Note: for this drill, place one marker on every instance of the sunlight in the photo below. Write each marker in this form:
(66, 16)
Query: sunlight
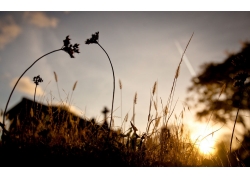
(207, 145)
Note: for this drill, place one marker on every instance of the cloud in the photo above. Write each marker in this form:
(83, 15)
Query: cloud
(40, 19)
(9, 30)
(27, 86)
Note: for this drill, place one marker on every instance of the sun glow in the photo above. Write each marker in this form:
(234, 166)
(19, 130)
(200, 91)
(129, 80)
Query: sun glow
(205, 142)
(206, 146)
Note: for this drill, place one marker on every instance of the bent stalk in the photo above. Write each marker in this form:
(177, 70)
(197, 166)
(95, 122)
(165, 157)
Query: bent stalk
(113, 84)
(4, 114)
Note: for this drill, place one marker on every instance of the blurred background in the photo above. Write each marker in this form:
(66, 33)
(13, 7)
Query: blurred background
(144, 47)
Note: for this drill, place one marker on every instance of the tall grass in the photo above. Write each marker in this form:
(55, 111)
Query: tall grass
(57, 137)
(67, 47)
(72, 139)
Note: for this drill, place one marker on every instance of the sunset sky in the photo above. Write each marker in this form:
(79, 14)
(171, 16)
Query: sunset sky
(142, 47)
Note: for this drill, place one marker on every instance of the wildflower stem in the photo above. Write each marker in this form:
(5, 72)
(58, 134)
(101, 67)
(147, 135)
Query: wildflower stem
(113, 84)
(4, 114)
(35, 94)
(34, 103)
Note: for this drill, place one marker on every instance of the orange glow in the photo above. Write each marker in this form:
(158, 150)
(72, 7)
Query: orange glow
(207, 145)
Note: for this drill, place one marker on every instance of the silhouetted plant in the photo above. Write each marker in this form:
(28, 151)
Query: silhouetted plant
(134, 103)
(95, 40)
(56, 79)
(37, 80)
(171, 95)
(62, 138)
(73, 89)
(67, 47)
(120, 85)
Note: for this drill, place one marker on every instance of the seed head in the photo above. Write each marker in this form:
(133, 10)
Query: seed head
(69, 48)
(165, 110)
(66, 42)
(94, 39)
(120, 84)
(74, 86)
(177, 72)
(135, 98)
(126, 118)
(37, 79)
(154, 87)
(55, 76)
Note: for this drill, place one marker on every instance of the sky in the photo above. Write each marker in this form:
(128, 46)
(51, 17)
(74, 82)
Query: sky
(144, 47)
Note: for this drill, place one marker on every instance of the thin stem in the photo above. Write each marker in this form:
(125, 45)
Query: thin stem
(34, 109)
(113, 84)
(19, 80)
(58, 91)
(233, 129)
(34, 103)
(134, 113)
(35, 94)
(175, 78)
(121, 108)
(231, 141)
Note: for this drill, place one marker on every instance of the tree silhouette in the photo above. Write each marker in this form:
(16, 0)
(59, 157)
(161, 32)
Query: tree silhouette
(221, 89)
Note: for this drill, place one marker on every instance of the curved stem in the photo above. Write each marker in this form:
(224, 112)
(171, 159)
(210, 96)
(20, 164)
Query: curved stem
(113, 84)
(19, 80)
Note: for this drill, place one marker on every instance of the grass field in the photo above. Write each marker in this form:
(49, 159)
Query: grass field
(46, 140)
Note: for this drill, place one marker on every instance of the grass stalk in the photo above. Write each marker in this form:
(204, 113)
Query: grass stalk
(233, 129)
(113, 84)
(56, 79)
(120, 85)
(94, 40)
(19, 80)
(67, 47)
(176, 76)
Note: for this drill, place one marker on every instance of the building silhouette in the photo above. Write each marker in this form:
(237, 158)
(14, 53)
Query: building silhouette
(27, 115)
